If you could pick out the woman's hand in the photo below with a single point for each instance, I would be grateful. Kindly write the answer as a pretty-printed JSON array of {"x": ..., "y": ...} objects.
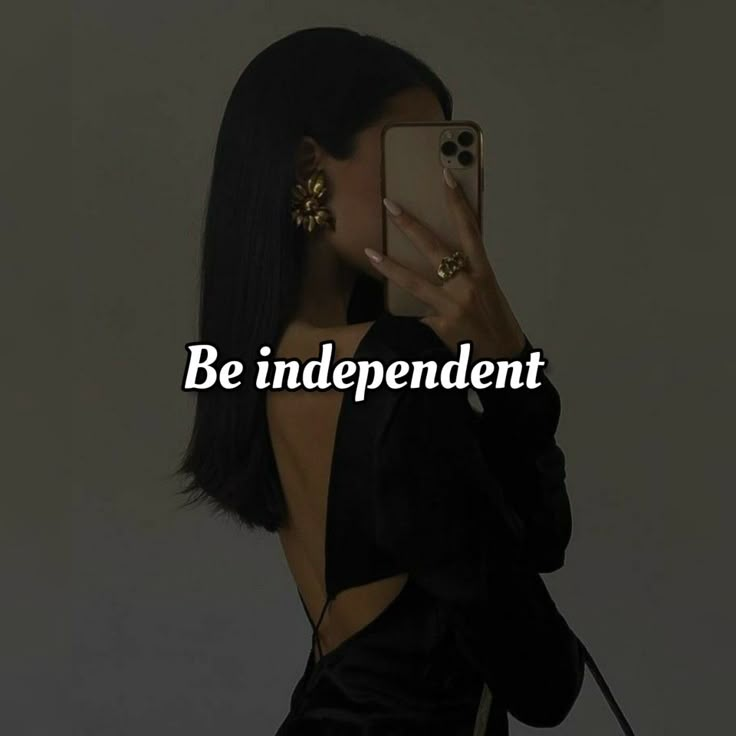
[{"x": 471, "y": 305}]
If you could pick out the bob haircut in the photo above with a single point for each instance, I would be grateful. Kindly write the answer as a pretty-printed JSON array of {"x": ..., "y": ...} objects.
[{"x": 329, "y": 83}]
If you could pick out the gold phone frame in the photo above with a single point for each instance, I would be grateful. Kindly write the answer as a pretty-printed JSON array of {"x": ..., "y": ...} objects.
[{"x": 480, "y": 182}]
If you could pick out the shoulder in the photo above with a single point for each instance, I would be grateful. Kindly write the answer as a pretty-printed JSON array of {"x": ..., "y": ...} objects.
[
  {"x": 308, "y": 410},
  {"x": 389, "y": 336},
  {"x": 405, "y": 338},
  {"x": 388, "y": 412},
  {"x": 302, "y": 340},
  {"x": 424, "y": 425}
]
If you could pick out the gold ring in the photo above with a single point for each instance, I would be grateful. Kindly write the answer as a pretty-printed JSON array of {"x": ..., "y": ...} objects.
[{"x": 450, "y": 265}]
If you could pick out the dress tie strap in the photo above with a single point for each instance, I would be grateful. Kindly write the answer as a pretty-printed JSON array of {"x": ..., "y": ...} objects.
[
  {"x": 603, "y": 685},
  {"x": 315, "y": 627}
]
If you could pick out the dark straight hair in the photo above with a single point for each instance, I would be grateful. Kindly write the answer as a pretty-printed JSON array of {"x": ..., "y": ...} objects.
[{"x": 329, "y": 83}]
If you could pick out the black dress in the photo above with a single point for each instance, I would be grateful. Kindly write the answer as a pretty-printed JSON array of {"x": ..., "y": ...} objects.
[{"x": 473, "y": 507}]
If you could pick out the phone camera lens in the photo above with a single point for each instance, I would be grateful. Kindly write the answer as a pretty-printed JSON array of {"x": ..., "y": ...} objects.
[
  {"x": 449, "y": 148},
  {"x": 465, "y": 158},
  {"x": 465, "y": 138}
]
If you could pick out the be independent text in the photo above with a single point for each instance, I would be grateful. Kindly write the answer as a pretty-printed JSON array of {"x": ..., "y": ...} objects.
[{"x": 293, "y": 374}]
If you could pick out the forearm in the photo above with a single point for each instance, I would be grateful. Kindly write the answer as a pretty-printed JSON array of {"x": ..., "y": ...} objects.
[
  {"x": 517, "y": 435},
  {"x": 523, "y": 646}
]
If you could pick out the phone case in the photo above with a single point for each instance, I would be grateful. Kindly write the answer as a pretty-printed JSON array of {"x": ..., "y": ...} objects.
[{"x": 412, "y": 157}]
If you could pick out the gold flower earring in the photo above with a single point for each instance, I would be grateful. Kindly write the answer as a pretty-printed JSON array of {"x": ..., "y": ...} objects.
[{"x": 307, "y": 208}]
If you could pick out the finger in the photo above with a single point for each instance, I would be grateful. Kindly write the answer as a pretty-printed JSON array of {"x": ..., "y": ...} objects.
[
  {"x": 466, "y": 221},
  {"x": 411, "y": 281},
  {"x": 423, "y": 237}
]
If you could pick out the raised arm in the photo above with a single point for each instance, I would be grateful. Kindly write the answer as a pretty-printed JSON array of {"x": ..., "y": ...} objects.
[
  {"x": 516, "y": 433},
  {"x": 444, "y": 517}
]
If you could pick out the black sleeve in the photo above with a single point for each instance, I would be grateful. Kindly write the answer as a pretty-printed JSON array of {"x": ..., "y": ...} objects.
[
  {"x": 517, "y": 435},
  {"x": 443, "y": 516}
]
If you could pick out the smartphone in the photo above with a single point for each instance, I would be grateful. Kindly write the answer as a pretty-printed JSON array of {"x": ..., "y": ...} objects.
[{"x": 412, "y": 157}]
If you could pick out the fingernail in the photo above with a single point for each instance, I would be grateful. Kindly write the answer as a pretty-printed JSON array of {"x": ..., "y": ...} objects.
[
  {"x": 449, "y": 178},
  {"x": 374, "y": 255},
  {"x": 391, "y": 206}
]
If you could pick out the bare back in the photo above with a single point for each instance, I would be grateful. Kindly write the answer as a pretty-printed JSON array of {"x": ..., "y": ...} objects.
[{"x": 302, "y": 426}]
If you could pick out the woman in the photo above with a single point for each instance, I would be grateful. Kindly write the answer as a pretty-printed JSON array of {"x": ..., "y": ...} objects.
[{"x": 422, "y": 583}]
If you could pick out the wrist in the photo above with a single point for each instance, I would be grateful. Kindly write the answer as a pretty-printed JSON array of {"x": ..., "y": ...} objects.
[{"x": 513, "y": 350}]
